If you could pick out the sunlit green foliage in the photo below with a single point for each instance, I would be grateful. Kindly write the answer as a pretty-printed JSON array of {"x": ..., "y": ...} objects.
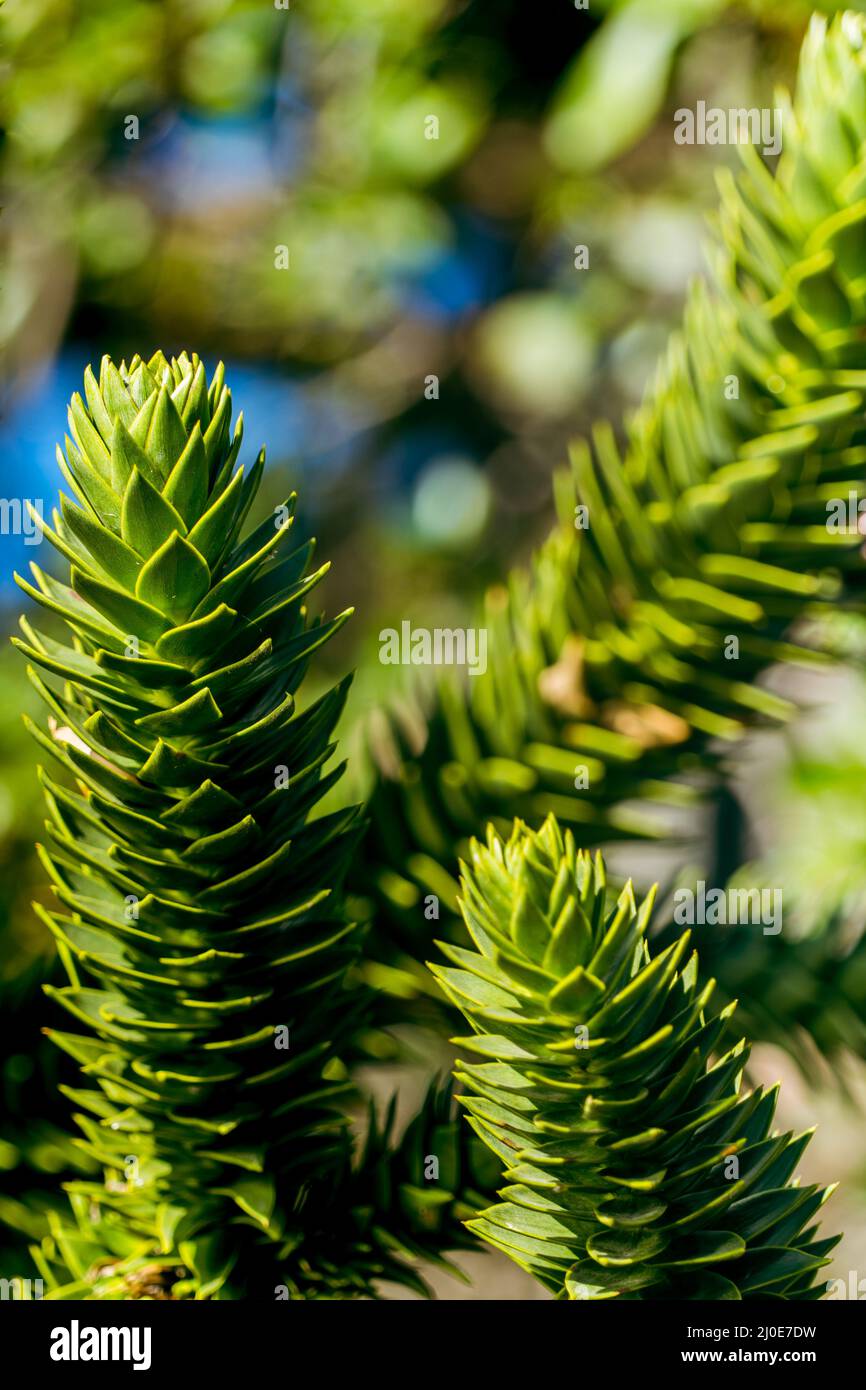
[
  {"x": 635, "y": 651},
  {"x": 637, "y": 1164}
]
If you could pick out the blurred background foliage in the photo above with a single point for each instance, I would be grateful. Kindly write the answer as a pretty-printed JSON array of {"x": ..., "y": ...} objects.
[{"x": 161, "y": 157}]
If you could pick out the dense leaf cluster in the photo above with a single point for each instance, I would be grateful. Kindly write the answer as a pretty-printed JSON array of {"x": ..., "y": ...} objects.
[{"x": 636, "y": 1163}]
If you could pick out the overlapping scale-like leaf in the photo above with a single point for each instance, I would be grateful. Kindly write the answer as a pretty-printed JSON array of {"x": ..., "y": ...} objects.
[
  {"x": 196, "y": 908},
  {"x": 636, "y": 1163}
]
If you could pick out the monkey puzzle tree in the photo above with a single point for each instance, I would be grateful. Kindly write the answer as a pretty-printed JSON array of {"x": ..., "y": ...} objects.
[
  {"x": 198, "y": 913},
  {"x": 685, "y": 565},
  {"x": 636, "y": 1164}
]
